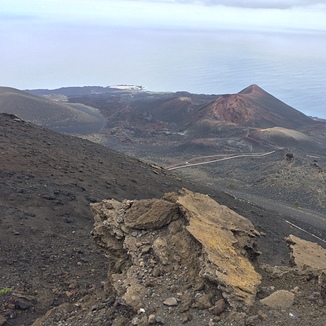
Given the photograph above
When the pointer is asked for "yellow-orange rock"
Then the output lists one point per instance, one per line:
(307, 255)
(215, 227)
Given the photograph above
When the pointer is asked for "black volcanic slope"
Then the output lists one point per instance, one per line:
(47, 181)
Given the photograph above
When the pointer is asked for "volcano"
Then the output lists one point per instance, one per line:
(251, 107)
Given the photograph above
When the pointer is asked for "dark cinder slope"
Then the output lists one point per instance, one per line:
(47, 181)
(47, 113)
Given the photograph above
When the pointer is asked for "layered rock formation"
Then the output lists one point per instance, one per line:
(185, 259)
(184, 246)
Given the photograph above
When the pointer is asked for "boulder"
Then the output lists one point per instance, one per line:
(306, 256)
(281, 299)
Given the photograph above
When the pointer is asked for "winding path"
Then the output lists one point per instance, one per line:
(183, 165)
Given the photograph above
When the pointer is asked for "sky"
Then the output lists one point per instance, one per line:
(57, 43)
(306, 14)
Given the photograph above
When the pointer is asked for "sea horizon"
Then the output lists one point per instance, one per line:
(290, 65)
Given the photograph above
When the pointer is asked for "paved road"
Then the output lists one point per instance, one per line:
(311, 222)
(307, 221)
(187, 165)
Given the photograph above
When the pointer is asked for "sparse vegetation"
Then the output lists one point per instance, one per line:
(296, 204)
(4, 291)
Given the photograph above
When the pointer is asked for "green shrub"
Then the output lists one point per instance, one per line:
(4, 291)
(230, 185)
(296, 204)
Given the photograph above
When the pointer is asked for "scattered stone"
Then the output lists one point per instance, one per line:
(219, 307)
(265, 291)
(202, 302)
(134, 295)
(296, 290)
(281, 299)
(185, 319)
(252, 320)
(217, 319)
(277, 271)
(22, 305)
(160, 247)
(262, 315)
(170, 302)
(211, 323)
(185, 304)
(156, 271)
(236, 318)
(314, 296)
(151, 319)
(289, 156)
(139, 320)
(159, 320)
(3, 320)
(146, 249)
(293, 316)
(120, 321)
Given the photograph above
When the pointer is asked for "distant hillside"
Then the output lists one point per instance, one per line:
(252, 107)
(71, 91)
(47, 113)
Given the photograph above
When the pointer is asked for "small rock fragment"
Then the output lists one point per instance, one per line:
(171, 302)
(219, 307)
(159, 320)
(296, 290)
(211, 323)
(203, 302)
(156, 271)
(252, 320)
(141, 311)
(186, 318)
(3, 320)
(151, 319)
(22, 305)
(281, 299)
(139, 320)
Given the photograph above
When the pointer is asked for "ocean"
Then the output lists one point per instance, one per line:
(289, 65)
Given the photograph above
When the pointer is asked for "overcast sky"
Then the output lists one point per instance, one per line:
(257, 14)
(56, 43)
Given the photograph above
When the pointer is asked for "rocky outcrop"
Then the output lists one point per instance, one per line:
(185, 259)
(306, 256)
(184, 246)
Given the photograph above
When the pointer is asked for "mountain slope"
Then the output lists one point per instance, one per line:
(47, 182)
(251, 107)
(50, 114)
